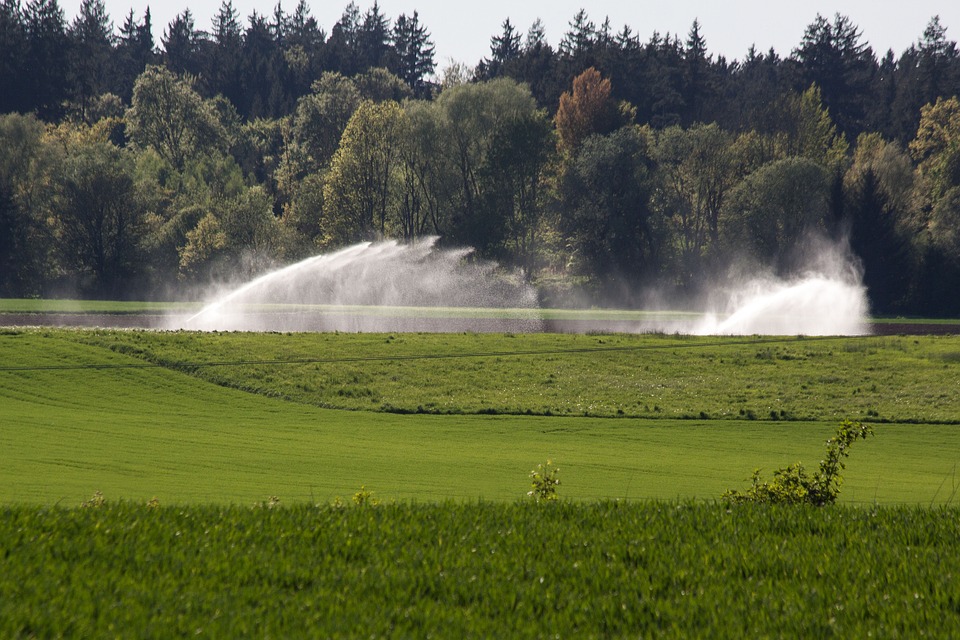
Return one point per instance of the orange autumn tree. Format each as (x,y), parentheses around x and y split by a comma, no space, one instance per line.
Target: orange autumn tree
(589,109)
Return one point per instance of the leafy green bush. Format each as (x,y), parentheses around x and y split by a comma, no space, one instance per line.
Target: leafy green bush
(364,497)
(544,482)
(792,485)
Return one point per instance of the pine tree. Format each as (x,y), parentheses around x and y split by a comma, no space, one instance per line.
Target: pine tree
(504,49)
(14,91)
(91,40)
(374,40)
(579,41)
(225,72)
(181,45)
(413,53)
(303,49)
(343,46)
(47,57)
(833,57)
(133,52)
(697,89)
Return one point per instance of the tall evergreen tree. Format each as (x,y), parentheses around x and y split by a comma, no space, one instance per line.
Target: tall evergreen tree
(91,46)
(662,76)
(938,69)
(47,57)
(14,93)
(374,40)
(536,66)
(697,88)
(133,52)
(343,47)
(279,24)
(578,42)
(304,49)
(181,45)
(413,53)
(225,73)
(504,50)
(264,73)
(833,57)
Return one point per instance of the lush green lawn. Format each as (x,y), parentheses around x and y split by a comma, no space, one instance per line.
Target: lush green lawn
(135,432)
(462,570)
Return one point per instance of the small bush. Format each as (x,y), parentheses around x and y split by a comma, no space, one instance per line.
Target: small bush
(792,485)
(544,482)
(95,502)
(364,497)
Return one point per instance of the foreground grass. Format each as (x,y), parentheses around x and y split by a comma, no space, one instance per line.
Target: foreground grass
(77,417)
(479,570)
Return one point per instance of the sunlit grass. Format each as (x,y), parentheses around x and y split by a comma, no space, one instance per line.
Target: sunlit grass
(141,432)
(465,570)
(882,379)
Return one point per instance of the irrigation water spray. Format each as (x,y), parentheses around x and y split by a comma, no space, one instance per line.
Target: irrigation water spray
(389,286)
(384,286)
(827,297)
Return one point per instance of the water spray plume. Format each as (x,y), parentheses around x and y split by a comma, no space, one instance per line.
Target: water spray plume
(369,287)
(389,286)
(827,299)
(814,306)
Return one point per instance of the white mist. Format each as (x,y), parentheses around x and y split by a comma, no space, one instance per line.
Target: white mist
(349,288)
(826,298)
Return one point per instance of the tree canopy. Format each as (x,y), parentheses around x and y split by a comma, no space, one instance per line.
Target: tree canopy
(135,164)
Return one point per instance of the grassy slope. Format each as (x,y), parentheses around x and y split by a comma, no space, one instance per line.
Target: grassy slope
(142,432)
(898,379)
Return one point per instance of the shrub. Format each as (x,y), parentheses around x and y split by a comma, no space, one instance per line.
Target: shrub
(544,482)
(364,497)
(792,485)
(95,502)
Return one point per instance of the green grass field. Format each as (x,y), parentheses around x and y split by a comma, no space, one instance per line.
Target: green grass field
(479,570)
(84,411)
(189,437)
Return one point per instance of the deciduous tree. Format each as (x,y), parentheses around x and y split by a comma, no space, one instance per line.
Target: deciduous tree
(357,193)
(588,109)
(168,115)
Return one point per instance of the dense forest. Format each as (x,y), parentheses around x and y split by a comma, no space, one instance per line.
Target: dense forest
(131,168)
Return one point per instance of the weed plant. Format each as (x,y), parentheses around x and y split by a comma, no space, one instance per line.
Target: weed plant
(544,481)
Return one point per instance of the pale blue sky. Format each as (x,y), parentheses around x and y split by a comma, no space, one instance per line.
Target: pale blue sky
(462,30)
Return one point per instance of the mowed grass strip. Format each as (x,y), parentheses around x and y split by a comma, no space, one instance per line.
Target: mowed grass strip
(480,570)
(138,433)
(906,379)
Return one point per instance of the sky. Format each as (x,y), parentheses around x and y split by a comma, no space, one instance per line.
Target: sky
(462,30)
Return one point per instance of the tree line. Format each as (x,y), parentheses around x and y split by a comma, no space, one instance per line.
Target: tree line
(603,166)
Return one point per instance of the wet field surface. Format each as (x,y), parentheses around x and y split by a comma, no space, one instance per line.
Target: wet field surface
(283,322)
